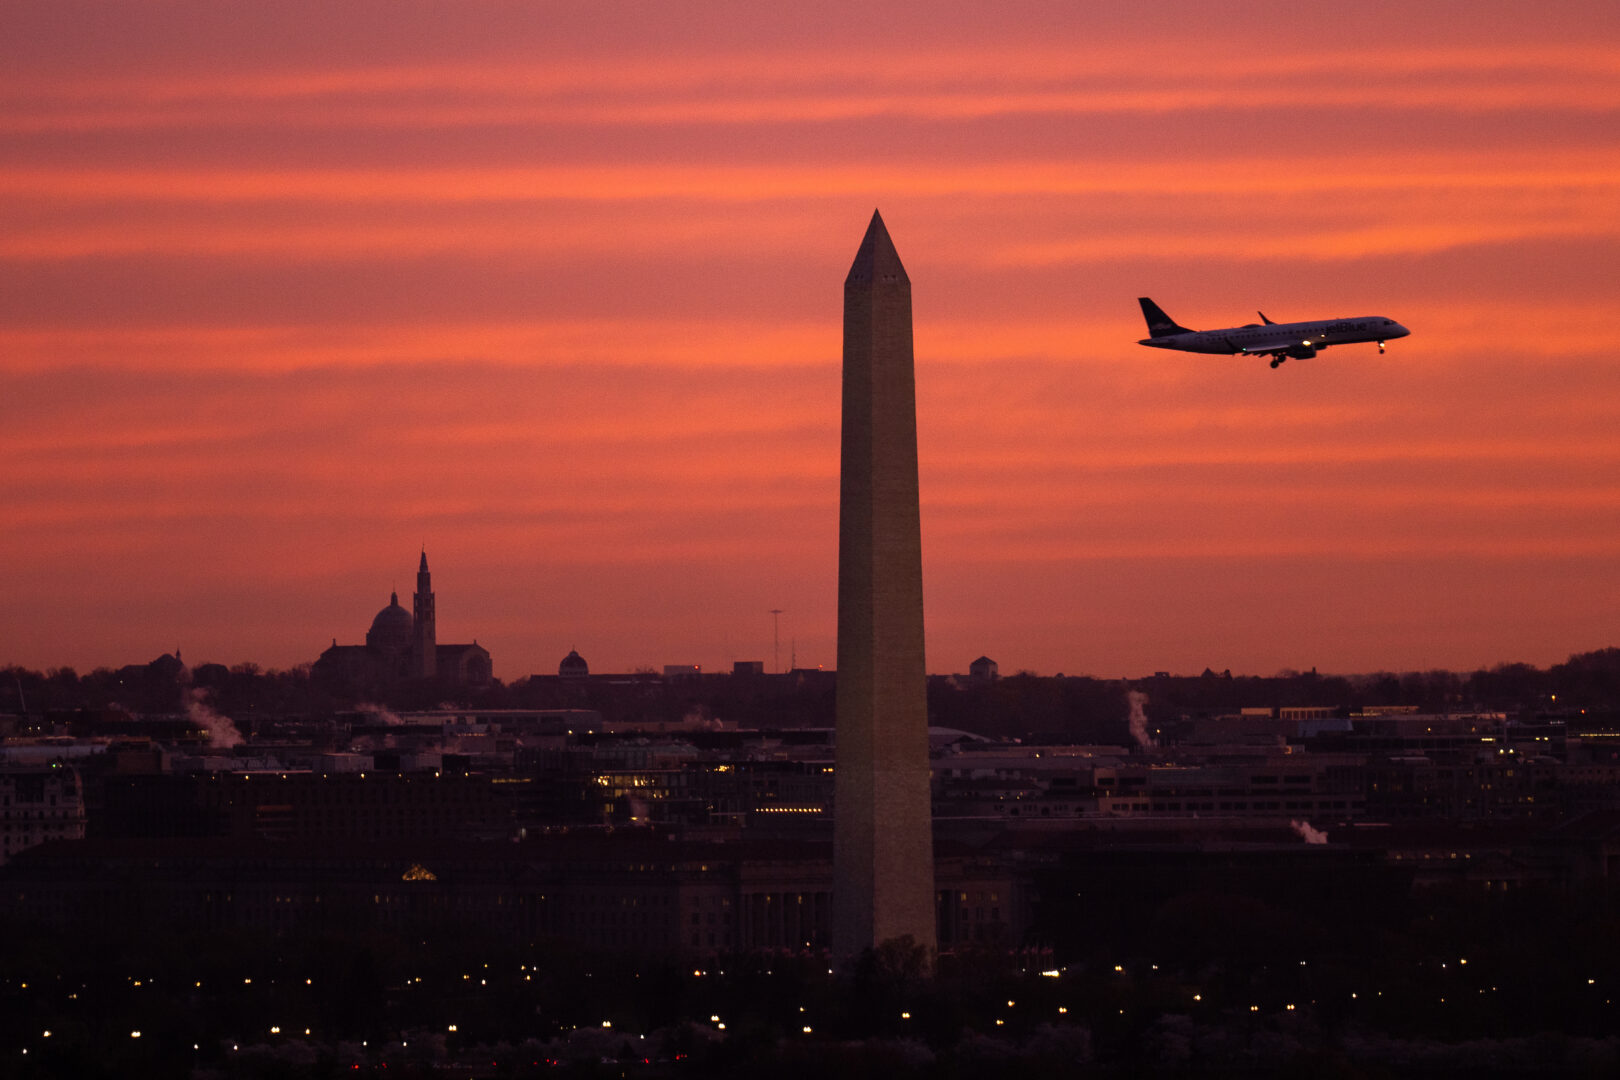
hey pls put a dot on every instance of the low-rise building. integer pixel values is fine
(38, 804)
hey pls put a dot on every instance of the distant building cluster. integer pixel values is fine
(704, 837)
(538, 821)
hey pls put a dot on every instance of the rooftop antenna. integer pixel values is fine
(776, 640)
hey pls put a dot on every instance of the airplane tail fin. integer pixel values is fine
(1268, 322)
(1160, 324)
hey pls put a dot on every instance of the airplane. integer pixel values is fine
(1300, 340)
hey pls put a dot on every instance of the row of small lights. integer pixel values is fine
(715, 1018)
(1052, 973)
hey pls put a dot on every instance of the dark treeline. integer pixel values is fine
(1023, 705)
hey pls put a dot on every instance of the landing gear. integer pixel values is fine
(1380, 346)
(1275, 360)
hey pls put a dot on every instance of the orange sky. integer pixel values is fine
(286, 293)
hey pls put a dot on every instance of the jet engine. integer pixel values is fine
(1302, 352)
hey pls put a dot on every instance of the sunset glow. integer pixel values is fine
(555, 291)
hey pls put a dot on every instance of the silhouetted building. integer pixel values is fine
(401, 645)
(152, 687)
(573, 666)
(983, 669)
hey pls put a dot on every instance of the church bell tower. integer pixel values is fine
(424, 641)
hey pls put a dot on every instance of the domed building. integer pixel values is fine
(573, 666)
(391, 630)
(403, 645)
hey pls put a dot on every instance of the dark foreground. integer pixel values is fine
(1218, 985)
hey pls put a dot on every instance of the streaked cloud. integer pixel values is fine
(822, 87)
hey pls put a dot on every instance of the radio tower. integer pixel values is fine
(776, 640)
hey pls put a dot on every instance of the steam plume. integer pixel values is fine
(1138, 721)
(1308, 834)
(221, 732)
(380, 713)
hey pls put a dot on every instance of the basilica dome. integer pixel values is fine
(391, 629)
(573, 666)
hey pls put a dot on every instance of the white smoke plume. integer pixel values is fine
(1308, 834)
(221, 732)
(699, 718)
(1139, 730)
(380, 714)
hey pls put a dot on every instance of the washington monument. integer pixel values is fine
(883, 850)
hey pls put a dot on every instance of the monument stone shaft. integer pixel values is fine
(883, 850)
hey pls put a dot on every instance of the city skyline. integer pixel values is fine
(286, 296)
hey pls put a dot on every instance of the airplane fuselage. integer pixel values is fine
(1282, 337)
(1279, 340)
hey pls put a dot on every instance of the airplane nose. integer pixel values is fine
(1399, 331)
